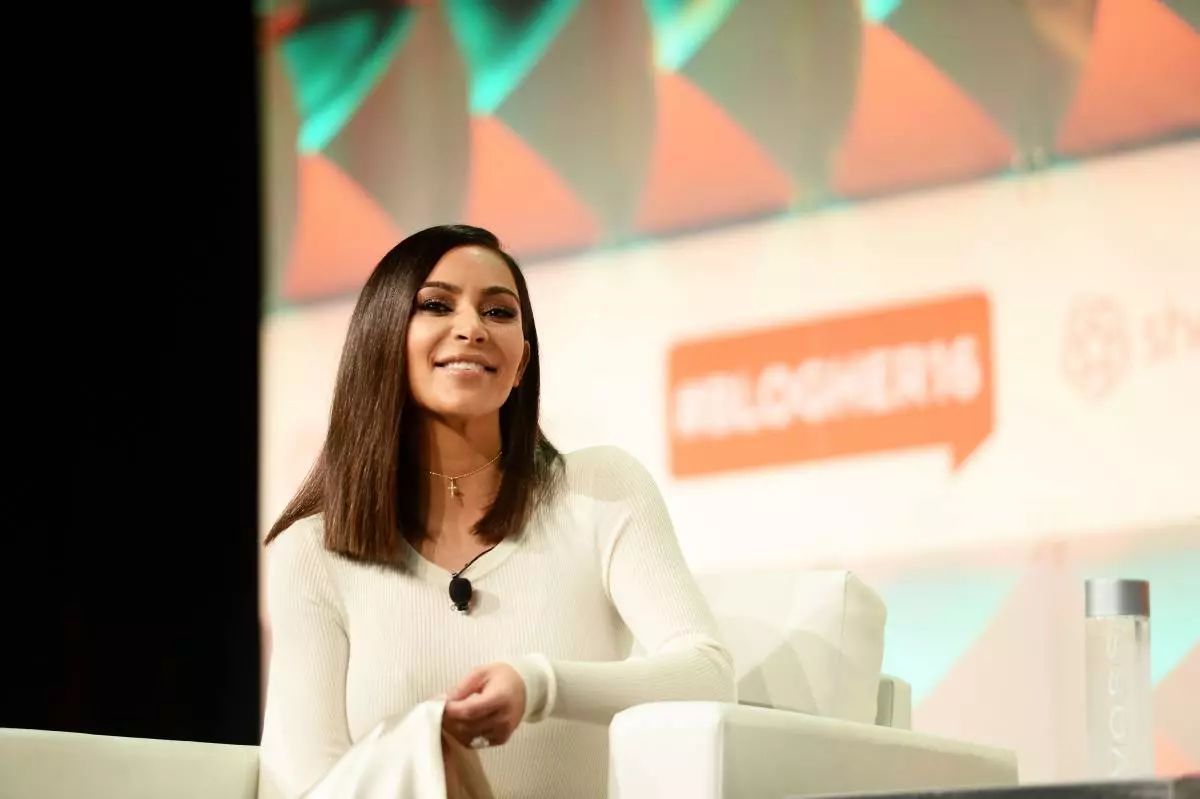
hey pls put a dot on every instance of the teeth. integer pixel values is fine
(464, 366)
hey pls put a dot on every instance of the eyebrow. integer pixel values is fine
(490, 291)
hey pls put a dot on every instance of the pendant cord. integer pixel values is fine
(472, 560)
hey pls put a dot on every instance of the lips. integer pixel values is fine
(465, 365)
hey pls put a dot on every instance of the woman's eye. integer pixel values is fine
(501, 312)
(435, 306)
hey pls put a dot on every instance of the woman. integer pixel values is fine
(434, 472)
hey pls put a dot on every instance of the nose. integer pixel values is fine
(468, 326)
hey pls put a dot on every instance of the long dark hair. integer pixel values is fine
(367, 478)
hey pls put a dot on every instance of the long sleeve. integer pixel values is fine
(307, 749)
(657, 597)
(304, 728)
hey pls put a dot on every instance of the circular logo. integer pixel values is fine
(1097, 351)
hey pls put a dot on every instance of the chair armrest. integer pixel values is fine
(51, 764)
(894, 705)
(715, 750)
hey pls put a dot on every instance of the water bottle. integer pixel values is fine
(1120, 724)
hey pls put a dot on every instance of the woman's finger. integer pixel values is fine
(499, 734)
(496, 735)
(464, 731)
(458, 733)
(475, 706)
(479, 723)
(471, 684)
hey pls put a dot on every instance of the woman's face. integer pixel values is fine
(466, 348)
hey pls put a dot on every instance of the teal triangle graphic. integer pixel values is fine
(933, 618)
(878, 11)
(1174, 578)
(335, 65)
(681, 27)
(500, 52)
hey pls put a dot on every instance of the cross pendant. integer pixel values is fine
(453, 488)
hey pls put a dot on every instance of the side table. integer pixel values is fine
(1185, 787)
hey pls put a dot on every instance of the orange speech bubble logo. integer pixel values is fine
(904, 377)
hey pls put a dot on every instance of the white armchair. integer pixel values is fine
(710, 750)
(39, 764)
(815, 717)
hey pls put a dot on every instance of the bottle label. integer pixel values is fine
(1118, 720)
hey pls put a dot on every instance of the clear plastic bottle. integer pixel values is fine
(1120, 701)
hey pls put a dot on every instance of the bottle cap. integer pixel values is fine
(1110, 596)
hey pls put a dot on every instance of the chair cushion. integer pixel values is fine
(809, 641)
(712, 750)
(47, 763)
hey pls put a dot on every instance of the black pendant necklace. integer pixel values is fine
(460, 587)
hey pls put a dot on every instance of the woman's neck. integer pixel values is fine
(452, 448)
(461, 474)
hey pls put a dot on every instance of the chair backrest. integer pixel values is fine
(809, 641)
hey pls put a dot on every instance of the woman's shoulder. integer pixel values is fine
(299, 545)
(606, 472)
(298, 566)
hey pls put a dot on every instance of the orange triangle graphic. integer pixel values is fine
(1141, 80)
(705, 166)
(514, 193)
(341, 233)
(912, 125)
(1169, 759)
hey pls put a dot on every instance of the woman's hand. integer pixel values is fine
(487, 705)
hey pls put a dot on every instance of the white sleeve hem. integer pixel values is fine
(541, 685)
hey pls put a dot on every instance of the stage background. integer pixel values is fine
(911, 288)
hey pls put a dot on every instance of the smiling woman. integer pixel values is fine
(480, 578)
(466, 349)
(444, 292)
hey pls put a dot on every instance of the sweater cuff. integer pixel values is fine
(541, 687)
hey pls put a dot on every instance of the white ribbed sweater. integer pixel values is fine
(596, 570)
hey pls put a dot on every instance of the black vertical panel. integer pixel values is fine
(129, 570)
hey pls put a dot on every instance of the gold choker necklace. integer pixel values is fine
(452, 481)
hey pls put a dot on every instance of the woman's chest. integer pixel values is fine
(408, 643)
